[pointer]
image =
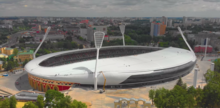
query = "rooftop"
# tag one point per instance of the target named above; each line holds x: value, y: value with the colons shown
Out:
x: 10, y: 56
x: 24, y: 53
x: 9, y: 48
x: 3, y: 54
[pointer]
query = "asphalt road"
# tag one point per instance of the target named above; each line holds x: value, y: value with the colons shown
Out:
x: 22, y: 78
x: 87, y: 45
x: 13, y: 39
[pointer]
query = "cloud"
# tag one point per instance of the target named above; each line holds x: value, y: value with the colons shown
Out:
x: 129, y: 2
x: 9, y: 1
x: 212, y: 0
x: 133, y: 8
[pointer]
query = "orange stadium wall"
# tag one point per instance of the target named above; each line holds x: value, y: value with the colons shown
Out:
x: 45, y: 84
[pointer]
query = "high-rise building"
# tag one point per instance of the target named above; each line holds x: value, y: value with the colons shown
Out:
x: 162, y: 29
x: 151, y: 19
x: 164, y: 19
x: 184, y: 19
x: 157, y: 28
x: 170, y: 21
x: 152, y: 29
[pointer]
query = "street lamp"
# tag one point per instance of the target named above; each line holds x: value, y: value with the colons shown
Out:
x: 207, y: 40
x: 122, y: 29
x: 48, y: 29
x: 98, y: 37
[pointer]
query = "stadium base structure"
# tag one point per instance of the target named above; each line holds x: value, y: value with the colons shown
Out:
x: 123, y: 67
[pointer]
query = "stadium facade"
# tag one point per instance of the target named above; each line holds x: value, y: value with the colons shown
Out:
x: 122, y: 66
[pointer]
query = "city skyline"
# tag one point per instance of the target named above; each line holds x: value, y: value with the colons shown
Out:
x: 107, y: 8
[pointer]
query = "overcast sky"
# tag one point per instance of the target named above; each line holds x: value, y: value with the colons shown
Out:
x: 111, y: 8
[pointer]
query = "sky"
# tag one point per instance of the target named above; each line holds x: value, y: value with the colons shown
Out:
x: 111, y: 8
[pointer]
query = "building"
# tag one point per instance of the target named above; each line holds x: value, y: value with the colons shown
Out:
x: 90, y: 34
x: 92, y: 29
x: 62, y: 70
x: 184, y: 20
x: 162, y: 29
x: 151, y: 19
x: 25, y: 55
x: 164, y: 20
x: 201, y: 49
x: 157, y: 28
x: 100, y: 28
x: 51, y: 37
x: 1, y: 64
x: 152, y: 29
x: 28, y: 96
x: 170, y: 21
x: 191, y: 36
x: 8, y: 22
x: 84, y: 21
x: 109, y: 38
x: 83, y: 33
x: 7, y: 51
x: 3, y: 56
x: 8, y: 26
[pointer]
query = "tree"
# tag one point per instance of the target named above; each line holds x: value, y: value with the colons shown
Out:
x: 160, y: 98
x: 180, y: 82
x: 68, y: 38
x: 77, y: 104
x: 25, y: 62
x: 5, y: 103
x: 152, y: 95
x: 74, y: 45
x: 210, y: 94
x: 10, y: 65
x: 40, y: 101
x: 4, y: 65
x: 80, y: 46
x: 21, y: 40
x: 29, y: 104
x: 53, y: 95
x: 63, y: 103
x: 15, y: 52
x: 216, y: 49
x: 13, y: 102
x: 92, y: 44
x: 199, y: 97
x: 217, y: 65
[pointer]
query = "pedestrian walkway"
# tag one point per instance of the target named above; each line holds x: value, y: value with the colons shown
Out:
x: 8, y: 91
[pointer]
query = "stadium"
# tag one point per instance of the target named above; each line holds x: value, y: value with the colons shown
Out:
x: 119, y: 67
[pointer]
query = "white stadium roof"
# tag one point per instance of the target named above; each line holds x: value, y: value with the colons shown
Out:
x: 164, y: 58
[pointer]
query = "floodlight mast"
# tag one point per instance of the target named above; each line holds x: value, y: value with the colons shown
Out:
x: 207, y: 40
x: 48, y: 30
x: 186, y: 42
x: 98, y: 37
x: 122, y: 29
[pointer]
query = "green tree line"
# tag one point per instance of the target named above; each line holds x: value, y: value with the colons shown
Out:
x: 54, y: 99
x: 182, y: 96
